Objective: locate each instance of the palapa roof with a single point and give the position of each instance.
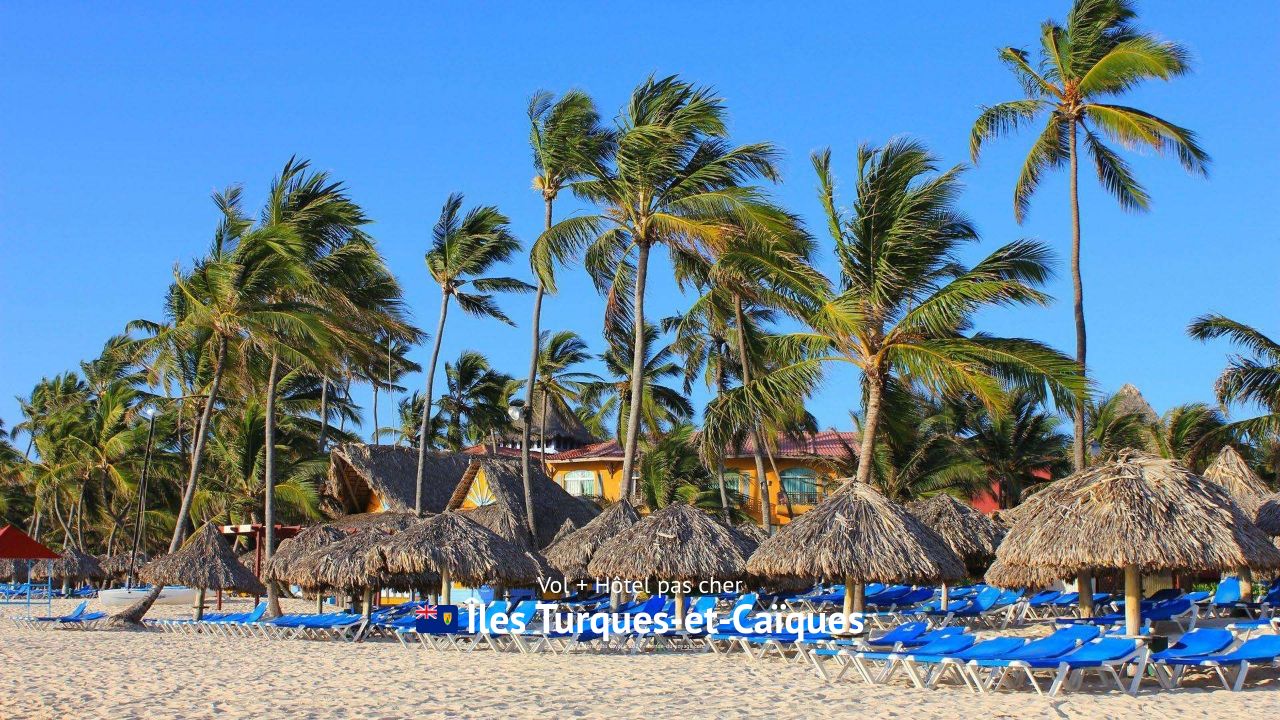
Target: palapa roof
(1268, 518)
(552, 505)
(117, 566)
(1130, 401)
(1231, 471)
(387, 521)
(293, 549)
(344, 565)
(204, 561)
(1004, 575)
(1137, 509)
(859, 535)
(676, 543)
(15, 570)
(560, 422)
(357, 471)
(571, 554)
(471, 553)
(71, 563)
(971, 535)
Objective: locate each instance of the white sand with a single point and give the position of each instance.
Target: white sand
(92, 674)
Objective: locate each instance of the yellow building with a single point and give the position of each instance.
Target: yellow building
(803, 472)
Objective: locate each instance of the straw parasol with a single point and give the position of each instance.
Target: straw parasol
(205, 562)
(72, 564)
(972, 536)
(344, 566)
(293, 549)
(457, 548)
(1137, 513)
(13, 570)
(679, 544)
(861, 536)
(1268, 518)
(571, 553)
(1235, 476)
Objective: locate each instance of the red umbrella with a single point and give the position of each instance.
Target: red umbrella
(17, 545)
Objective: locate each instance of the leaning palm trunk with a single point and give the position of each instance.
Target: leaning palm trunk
(632, 436)
(526, 432)
(869, 421)
(269, 484)
(133, 614)
(426, 405)
(766, 507)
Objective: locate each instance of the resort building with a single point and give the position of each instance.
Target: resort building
(798, 475)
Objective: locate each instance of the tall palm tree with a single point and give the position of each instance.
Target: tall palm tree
(385, 371)
(675, 182)
(475, 402)
(568, 141)
(1097, 55)
(1253, 379)
(463, 248)
(903, 301)
(919, 457)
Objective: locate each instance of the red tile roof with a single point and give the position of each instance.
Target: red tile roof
(828, 443)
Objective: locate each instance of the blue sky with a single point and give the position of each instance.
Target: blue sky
(116, 125)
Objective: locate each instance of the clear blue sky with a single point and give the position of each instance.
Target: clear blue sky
(116, 124)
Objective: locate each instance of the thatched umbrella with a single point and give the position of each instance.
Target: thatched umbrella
(344, 566)
(567, 528)
(971, 535)
(14, 570)
(1137, 513)
(205, 562)
(861, 536)
(1268, 518)
(1235, 476)
(293, 549)
(72, 564)
(678, 543)
(117, 566)
(571, 554)
(389, 521)
(457, 548)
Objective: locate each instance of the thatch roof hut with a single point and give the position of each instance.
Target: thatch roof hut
(678, 543)
(563, 429)
(1268, 518)
(861, 536)
(292, 550)
(971, 535)
(13, 570)
(72, 564)
(1231, 471)
(457, 548)
(1137, 513)
(567, 528)
(385, 521)
(117, 566)
(205, 562)
(344, 566)
(570, 555)
(384, 478)
(1129, 401)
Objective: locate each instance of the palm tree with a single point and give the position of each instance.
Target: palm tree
(1018, 443)
(475, 403)
(464, 247)
(385, 371)
(1111, 425)
(1192, 433)
(676, 183)
(567, 141)
(1253, 379)
(903, 300)
(558, 383)
(919, 457)
(661, 407)
(1097, 55)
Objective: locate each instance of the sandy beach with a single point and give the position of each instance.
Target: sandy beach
(101, 674)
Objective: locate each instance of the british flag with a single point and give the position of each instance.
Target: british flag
(427, 612)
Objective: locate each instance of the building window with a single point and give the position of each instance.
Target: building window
(737, 482)
(480, 495)
(581, 483)
(801, 485)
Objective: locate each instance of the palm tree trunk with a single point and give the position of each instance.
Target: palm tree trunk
(324, 411)
(724, 494)
(744, 361)
(526, 431)
(869, 421)
(1077, 285)
(426, 404)
(637, 374)
(269, 483)
(133, 614)
(375, 414)
(791, 515)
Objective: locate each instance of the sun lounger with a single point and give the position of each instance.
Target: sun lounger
(1262, 650)
(863, 661)
(938, 665)
(1059, 643)
(1104, 656)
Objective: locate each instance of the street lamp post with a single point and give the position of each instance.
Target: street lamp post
(150, 412)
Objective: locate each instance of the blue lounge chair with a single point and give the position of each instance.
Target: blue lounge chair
(1181, 611)
(1205, 641)
(862, 661)
(1103, 656)
(975, 608)
(1225, 596)
(939, 664)
(1261, 650)
(1060, 642)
